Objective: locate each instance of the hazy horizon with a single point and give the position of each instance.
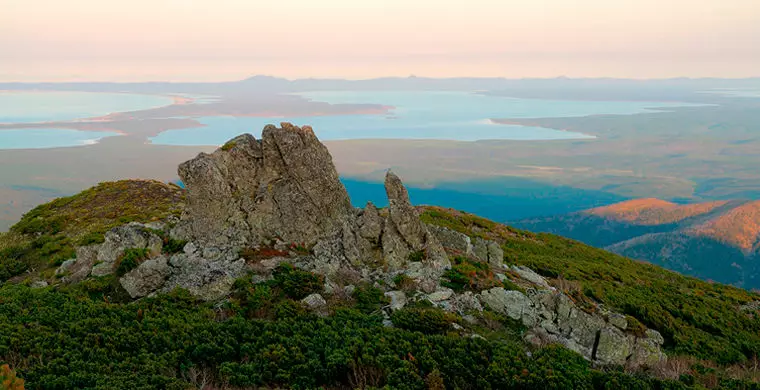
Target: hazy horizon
(171, 40)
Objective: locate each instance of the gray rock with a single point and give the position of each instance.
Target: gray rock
(613, 347)
(464, 303)
(480, 249)
(618, 320)
(250, 191)
(102, 269)
(398, 299)
(315, 302)
(488, 251)
(189, 248)
(495, 254)
(529, 275)
(39, 284)
(655, 336)
(370, 223)
(207, 279)
(148, 277)
(132, 235)
(453, 241)
(442, 294)
(65, 266)
(512, 303)
(86, 258)
(647, 350)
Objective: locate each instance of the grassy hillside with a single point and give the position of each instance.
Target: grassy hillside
(695, 317)
(262, 337)
(47, 235)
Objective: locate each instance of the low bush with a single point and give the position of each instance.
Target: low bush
(131, 258)
(472, 275)
(425, 320)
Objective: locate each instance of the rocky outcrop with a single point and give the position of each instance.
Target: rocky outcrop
(552, 317)
(458, 244)
(248, 192)
(281, 195)
(404, 235)
(100, 259)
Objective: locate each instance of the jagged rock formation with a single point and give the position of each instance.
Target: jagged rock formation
(249, 192)
(551, 316)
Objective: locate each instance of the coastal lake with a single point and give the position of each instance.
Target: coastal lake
(427, 115)
(35, 107)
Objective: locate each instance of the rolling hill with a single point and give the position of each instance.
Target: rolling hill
(713, 240)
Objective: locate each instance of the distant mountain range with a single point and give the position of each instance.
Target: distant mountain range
(717, 240)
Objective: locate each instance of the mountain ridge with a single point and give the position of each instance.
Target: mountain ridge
(713, 240)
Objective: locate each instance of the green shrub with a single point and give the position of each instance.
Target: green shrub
(471, 275)
(369, 299)
(425, 320)
(172, 246)
(295, 283)
(92, 238)
(130, 260)
(416, 256)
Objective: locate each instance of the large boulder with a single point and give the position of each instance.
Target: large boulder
(282, 187)
(148, 277)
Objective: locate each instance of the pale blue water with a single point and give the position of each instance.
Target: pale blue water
(48, 138)
(32, 107)
(460, 116)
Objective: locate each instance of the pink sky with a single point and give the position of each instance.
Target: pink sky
(55, 40)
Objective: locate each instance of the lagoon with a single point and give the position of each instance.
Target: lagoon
(43, 138)
(457, 116)
(34, 107)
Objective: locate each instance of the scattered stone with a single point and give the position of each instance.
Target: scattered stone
(65, 266)
(148, 277)
(189, 248)
(397, 298)
(509, 302)
(528, 274)
(316, 303)
(441, 295)
(39, 284)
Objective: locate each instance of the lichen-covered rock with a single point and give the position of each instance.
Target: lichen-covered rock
(512, 303)
(613, 346)
(148, 277)
(618, 320)
(65, 266)
(529, 275)
(248, 192)
(117, 240)
(208, 279)
(86, 258)
(442, 294)
(488, 251)
(315, 303)
(647, 350)
(397, 298)
(454, 242)
(404, 235)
